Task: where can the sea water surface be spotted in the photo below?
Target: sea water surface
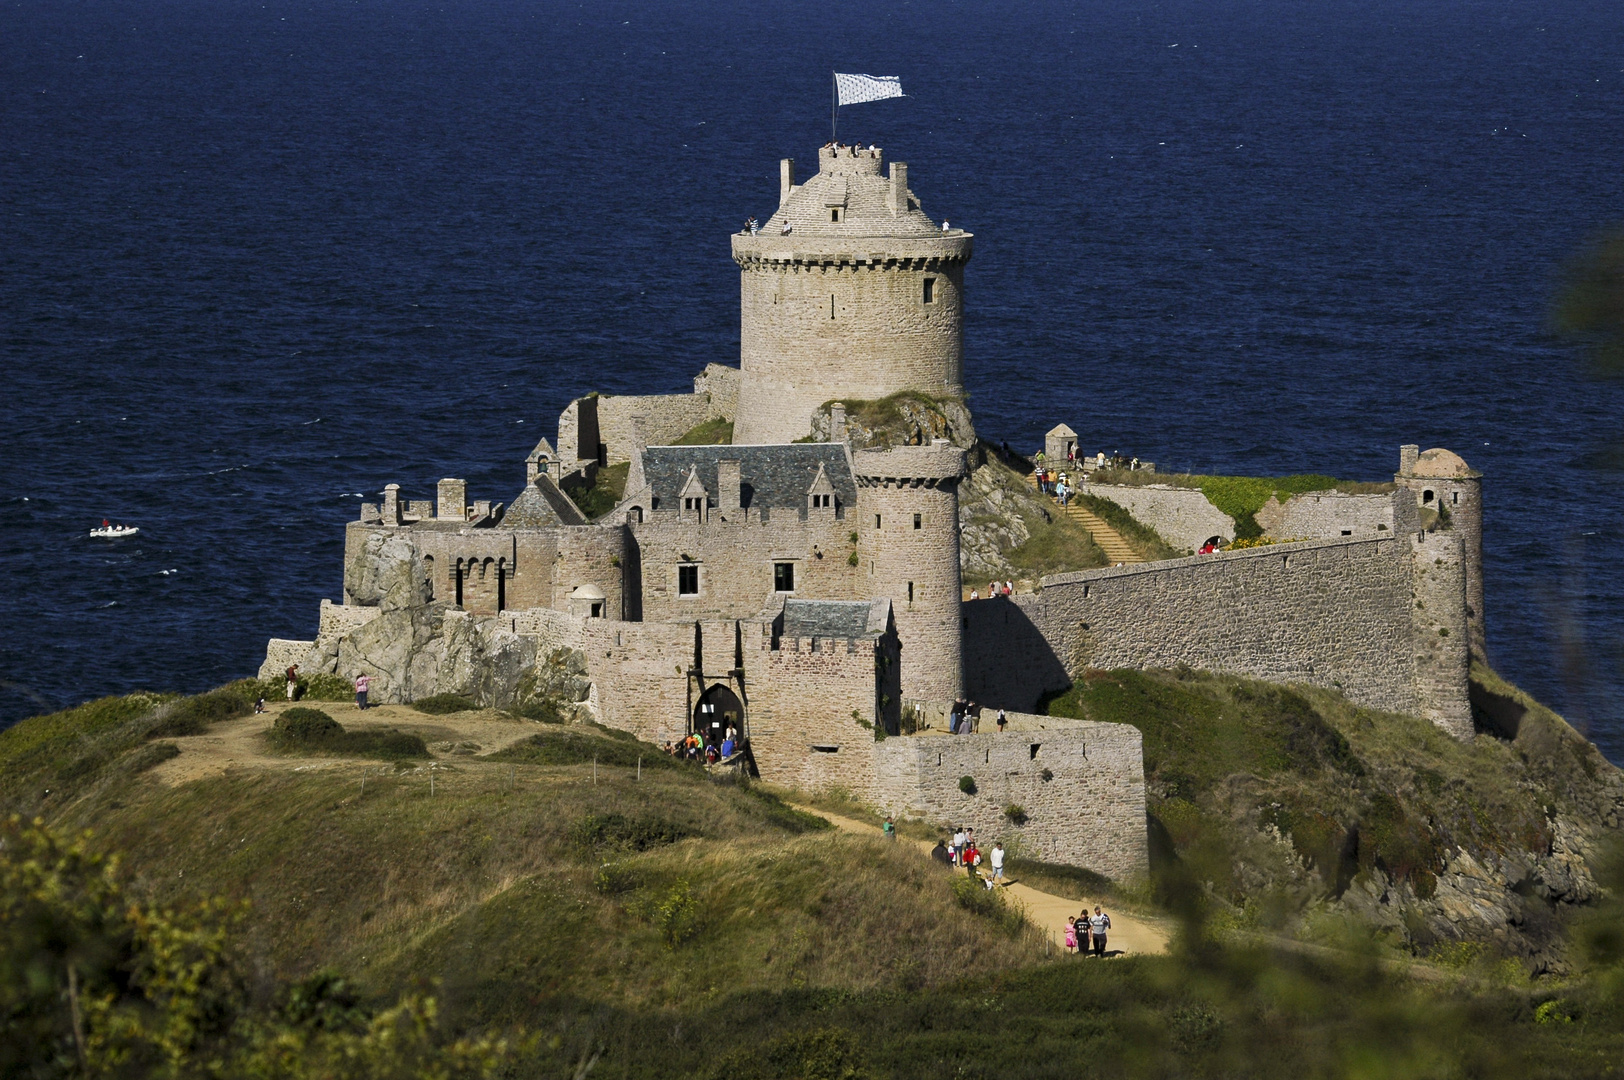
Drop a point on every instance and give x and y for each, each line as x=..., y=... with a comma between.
x=258, y=259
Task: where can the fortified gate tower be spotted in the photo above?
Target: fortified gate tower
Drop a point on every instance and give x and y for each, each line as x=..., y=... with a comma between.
x=849, y=292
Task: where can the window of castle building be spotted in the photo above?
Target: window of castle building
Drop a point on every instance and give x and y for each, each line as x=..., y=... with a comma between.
x=834, y=213
x=876, y=521
x=823, y=502
x=687, y=581
x=691, y=502
x=783, y=577
x=910, y=592
x=930, y=290
x=919, y=521
x=1455, y=498
x=1426, y=496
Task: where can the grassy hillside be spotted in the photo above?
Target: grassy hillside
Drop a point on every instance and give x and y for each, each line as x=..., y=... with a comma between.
x=674, y=926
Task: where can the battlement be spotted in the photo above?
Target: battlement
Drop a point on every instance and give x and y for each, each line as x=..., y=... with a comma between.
x=911, y=466
x=851, y=160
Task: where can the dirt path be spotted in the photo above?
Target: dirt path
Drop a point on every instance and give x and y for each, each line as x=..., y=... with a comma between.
x=1045, y=910
x=237, y=744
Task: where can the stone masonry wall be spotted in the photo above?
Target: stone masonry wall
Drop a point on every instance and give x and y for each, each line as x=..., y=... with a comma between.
x=1181, y=516
x=1322, y=515
x=665, y=417
x=1332, y=613
x=1442, y=632
x=802, y=728
x=1080, y=783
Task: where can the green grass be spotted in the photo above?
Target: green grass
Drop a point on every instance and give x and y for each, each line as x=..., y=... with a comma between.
x=445, y=704
x=312, y=732
x=717, y=432
x=577, y=744
x=605, y=491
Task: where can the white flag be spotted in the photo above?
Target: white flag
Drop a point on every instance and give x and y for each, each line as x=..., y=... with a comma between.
x=856, y=89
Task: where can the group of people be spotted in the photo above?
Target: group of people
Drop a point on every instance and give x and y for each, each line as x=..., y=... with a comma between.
x=961, y=850
x=1086, y=933
x=1057, y=484
x=994, y=589
x=697, y=748
x=965, y=718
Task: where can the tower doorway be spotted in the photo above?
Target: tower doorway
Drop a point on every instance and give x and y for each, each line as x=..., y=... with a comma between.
x=719, y=708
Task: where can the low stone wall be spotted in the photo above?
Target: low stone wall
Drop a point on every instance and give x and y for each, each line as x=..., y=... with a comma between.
x=339, y=619
x=1181, y=516
x=281, y=654
x=1322, y=515
x=1080, y=784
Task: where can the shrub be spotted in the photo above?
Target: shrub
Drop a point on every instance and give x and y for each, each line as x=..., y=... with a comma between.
x=1015, y=813
x=193, y=715
x=302, y=725
x=597, y=831
x=544, y=710
x=974, y=896
x=677, y=915
x=573, y=746
x=967, y=784
x=615, y=879
x=325, y=686
x=441, y=704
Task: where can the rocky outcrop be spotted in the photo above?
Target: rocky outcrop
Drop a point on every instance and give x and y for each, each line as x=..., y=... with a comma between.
x=994, y=507
x=900, y=420
x=387, y=573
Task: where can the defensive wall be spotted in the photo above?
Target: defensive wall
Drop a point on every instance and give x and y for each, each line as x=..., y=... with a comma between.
x=1336, y=613
x=1181, y=516
x=604, y=428
x=1079, y=786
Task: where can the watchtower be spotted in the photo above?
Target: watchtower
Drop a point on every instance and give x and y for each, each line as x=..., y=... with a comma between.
x=908, y=546
x=1449, y=493
x=848, y=292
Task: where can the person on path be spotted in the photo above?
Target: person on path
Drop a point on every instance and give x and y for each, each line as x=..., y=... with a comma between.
x=958, y=845
x=971, y=857
x=1084, y=934
x=940, y=853
x=362, y=685
x=1071, y=933
x=998, y=861
x=889, y=829
x=1098, y=925
x=1002, y=720
x=293, y=681
x=259, y=706
x=727, y=747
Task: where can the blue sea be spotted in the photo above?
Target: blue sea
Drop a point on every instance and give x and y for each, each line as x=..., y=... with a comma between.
x=259, y=259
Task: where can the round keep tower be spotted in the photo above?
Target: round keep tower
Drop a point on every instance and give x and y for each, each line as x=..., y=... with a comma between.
x=849, y=292
x=908, y=547
x=1453, y=492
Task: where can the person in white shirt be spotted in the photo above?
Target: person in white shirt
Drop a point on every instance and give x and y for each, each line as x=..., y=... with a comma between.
x=1099, y=923
x=998, y=862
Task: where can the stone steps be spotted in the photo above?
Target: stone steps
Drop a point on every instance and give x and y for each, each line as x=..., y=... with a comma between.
x=1116, y=548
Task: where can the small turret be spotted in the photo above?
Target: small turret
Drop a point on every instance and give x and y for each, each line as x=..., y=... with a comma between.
x=1449, y=494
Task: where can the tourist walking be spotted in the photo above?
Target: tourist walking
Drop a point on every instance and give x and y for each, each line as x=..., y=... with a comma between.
x=998, y=861
x=940, y=853
x=958, y=845
x=293, y=681
x=889, y=829
x=1097, y=926
x=1002, y=720
x=1071, y=933
x=362, y=685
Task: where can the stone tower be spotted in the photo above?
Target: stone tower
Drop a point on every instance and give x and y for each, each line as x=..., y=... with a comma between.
x=848, y=292
x=1452, y=490
x=907, y=525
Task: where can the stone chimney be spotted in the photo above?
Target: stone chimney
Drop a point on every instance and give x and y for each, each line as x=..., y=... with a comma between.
x=786, y=179
x=453, y=500
x=728, y=482
x=1407, y=456
x=837, y=422
x=391, y=504
x=897, y=196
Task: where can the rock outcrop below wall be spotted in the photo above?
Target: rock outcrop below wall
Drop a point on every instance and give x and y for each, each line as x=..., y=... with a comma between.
x=1077, y=786
x=1334, y=613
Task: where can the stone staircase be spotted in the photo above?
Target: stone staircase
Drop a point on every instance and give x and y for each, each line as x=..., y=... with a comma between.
x=1116, y=549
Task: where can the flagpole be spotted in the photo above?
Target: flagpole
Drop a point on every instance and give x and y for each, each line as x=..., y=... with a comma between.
x=834, y=105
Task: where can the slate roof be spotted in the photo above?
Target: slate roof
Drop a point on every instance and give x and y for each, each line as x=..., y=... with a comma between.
x=541, y=505
x=835, y=618
x=777, y=476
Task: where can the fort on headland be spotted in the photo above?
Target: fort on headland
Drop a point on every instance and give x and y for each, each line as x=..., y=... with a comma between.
x=808, y=593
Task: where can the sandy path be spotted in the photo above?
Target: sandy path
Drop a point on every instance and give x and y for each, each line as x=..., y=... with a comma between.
x=236, y=744
x=1044, y=910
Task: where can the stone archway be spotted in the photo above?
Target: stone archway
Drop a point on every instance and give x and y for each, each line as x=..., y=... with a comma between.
x=718, y=709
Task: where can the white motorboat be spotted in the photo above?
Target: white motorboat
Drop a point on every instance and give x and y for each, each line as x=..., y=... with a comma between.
x=113, y=532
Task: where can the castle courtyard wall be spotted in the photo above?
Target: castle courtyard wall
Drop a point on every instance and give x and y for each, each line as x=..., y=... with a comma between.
x=665, y=418
x=1332, y=613
x=809, y=705
x=1181, y=516
x=1080, y=783
x=1322, y=515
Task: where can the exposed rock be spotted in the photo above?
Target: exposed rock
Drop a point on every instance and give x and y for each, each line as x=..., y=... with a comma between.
x=482, y=659
x=901, y=420
x=388, y=574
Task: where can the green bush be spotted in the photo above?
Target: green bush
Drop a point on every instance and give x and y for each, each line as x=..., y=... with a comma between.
x=442, y=704
x=545, y=710
x=973, y=896
x=678, y=915
x=1015, y=813
x=302, y=725
x=615, y=879
x=598, y=831
x=967, y=784
x=193, y=715
x=572, y=746
x=326, y=686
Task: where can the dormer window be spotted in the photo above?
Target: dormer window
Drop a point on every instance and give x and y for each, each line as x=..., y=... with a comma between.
x=822, y=502
x=693, y=502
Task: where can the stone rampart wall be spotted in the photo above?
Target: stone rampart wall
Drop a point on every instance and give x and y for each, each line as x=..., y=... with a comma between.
x=808, y=698
x=339, y=619
x=281, y=654
x=1442, y=631
x=1330, y=613
x=1324, y=515
x=1181, y=516
x=665, y=417
x=1081, y=785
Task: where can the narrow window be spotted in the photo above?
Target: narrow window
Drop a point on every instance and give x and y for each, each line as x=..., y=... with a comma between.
x=910, y=592
x=834, y=213
x=597, y=610
x=1347, y=532
x=876, y=521
x=783, y=577
x=687, y=581
x=919, y=521
x=1426, y=496
x=930, y=290
x=831, y=306
x=1034, y=750
x=1455, y=498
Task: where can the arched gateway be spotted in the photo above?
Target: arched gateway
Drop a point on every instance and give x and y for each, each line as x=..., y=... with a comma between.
x=718, y=709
